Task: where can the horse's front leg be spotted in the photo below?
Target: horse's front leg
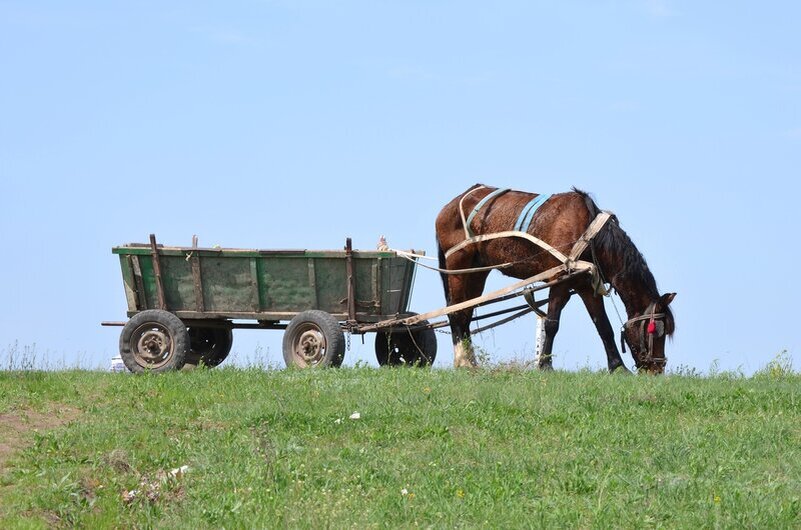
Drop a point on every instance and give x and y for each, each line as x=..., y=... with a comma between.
x=595, y=307
x=461, y=288
x=558, y=296
x=463, y=354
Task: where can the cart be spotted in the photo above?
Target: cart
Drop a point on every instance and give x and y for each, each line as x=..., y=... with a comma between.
x=184, y=302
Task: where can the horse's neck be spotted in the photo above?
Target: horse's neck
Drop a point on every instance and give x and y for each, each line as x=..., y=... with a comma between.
x=635, y=296
x=635, y=299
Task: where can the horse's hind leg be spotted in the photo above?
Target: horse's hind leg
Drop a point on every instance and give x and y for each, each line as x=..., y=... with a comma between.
x=464, y=287
x=595, y=307
x=558, y=297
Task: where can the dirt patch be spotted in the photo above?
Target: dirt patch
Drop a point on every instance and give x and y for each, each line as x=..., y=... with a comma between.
x=17, y=427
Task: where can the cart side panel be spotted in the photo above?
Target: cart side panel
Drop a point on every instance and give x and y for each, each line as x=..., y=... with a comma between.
x=148, y=282
x=286, y=284
x=252, y=282
x=129, y=282
x=230, y=284
x=368, y=290
x=176, y=275
x=397, y=275
x=331, y=282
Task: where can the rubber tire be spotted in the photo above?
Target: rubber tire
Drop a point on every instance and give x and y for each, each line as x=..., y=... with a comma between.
x=314, y=321
x=211, y=349
x=168, y=323
x=398, y=348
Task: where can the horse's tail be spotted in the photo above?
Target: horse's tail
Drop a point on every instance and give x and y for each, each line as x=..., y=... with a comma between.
x=443, y=266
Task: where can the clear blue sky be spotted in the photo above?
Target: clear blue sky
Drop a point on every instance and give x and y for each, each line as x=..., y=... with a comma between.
x=293, y=124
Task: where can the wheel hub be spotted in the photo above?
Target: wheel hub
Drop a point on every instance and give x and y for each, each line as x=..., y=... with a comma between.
x=310, y=346
x=153, y=345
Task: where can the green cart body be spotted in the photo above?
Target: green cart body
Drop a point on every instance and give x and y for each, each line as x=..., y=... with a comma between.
x=213, y=290
x=265, y=285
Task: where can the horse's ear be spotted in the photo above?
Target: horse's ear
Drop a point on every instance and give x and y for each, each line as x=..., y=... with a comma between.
x=667, y=298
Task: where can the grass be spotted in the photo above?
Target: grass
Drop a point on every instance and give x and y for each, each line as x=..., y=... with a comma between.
x=487, y=448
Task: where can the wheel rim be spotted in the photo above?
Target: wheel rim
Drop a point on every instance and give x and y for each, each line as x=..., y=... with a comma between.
x=309, y=345
x=152, y=345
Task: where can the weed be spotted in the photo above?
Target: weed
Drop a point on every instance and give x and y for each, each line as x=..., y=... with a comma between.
x=780, y=366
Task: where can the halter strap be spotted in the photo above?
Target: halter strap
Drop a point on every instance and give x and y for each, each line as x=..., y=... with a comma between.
x=651, y=317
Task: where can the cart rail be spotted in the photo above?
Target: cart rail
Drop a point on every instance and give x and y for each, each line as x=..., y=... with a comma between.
x=265, y=285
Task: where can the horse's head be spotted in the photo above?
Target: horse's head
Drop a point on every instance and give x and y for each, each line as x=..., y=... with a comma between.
x=646, y=334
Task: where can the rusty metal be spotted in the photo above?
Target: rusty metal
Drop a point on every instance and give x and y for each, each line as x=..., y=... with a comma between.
x=478, y=302
x=510, y=318
x=351, y=282
x=501, y=312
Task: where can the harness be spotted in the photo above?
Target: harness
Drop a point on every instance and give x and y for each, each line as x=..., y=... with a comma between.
x=523, y=220
x=651, y=325
x=569, y=263
x=477, y=207
x=527, y=215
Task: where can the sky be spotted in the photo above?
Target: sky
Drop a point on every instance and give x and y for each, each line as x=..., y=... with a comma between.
x=296, y=124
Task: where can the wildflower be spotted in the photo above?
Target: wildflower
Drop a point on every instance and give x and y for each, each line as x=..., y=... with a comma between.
x=355, y=416
x=460, y=494
x=178, y=472
x=404, y=491
x=717, y=499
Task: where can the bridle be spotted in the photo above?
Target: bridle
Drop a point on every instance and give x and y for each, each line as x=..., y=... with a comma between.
x=651, y=325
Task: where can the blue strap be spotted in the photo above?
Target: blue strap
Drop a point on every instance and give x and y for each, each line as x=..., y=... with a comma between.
x=527, y=215
x=480, y=204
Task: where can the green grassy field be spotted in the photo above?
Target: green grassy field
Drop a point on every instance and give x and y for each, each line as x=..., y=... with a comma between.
x=486, y=448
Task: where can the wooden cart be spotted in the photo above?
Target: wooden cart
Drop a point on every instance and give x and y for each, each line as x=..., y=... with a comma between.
x=184, y=302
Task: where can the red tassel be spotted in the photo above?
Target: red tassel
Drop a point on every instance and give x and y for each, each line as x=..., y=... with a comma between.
x=651, y=327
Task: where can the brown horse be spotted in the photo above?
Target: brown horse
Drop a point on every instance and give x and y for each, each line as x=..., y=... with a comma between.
x=560, y=221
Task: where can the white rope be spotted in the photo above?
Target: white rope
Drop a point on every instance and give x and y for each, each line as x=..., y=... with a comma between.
x=407, y=254
x=410, y=257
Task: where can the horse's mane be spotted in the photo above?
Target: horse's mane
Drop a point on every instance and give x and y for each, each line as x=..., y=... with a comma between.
x=616, y=241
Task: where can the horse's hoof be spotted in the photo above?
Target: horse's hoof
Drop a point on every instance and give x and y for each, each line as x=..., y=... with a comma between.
x=465, y=364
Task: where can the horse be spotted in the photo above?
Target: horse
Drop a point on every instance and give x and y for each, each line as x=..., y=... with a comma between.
x=559, y=221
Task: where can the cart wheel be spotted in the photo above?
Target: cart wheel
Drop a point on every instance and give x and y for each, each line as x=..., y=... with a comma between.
x=410, y=348
x=154, y=340
x=313, y=338
x=210, y=345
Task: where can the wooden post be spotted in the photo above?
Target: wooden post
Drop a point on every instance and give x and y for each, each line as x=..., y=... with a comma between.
x=197, y=277
x=351, y=281
x=154, y=251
